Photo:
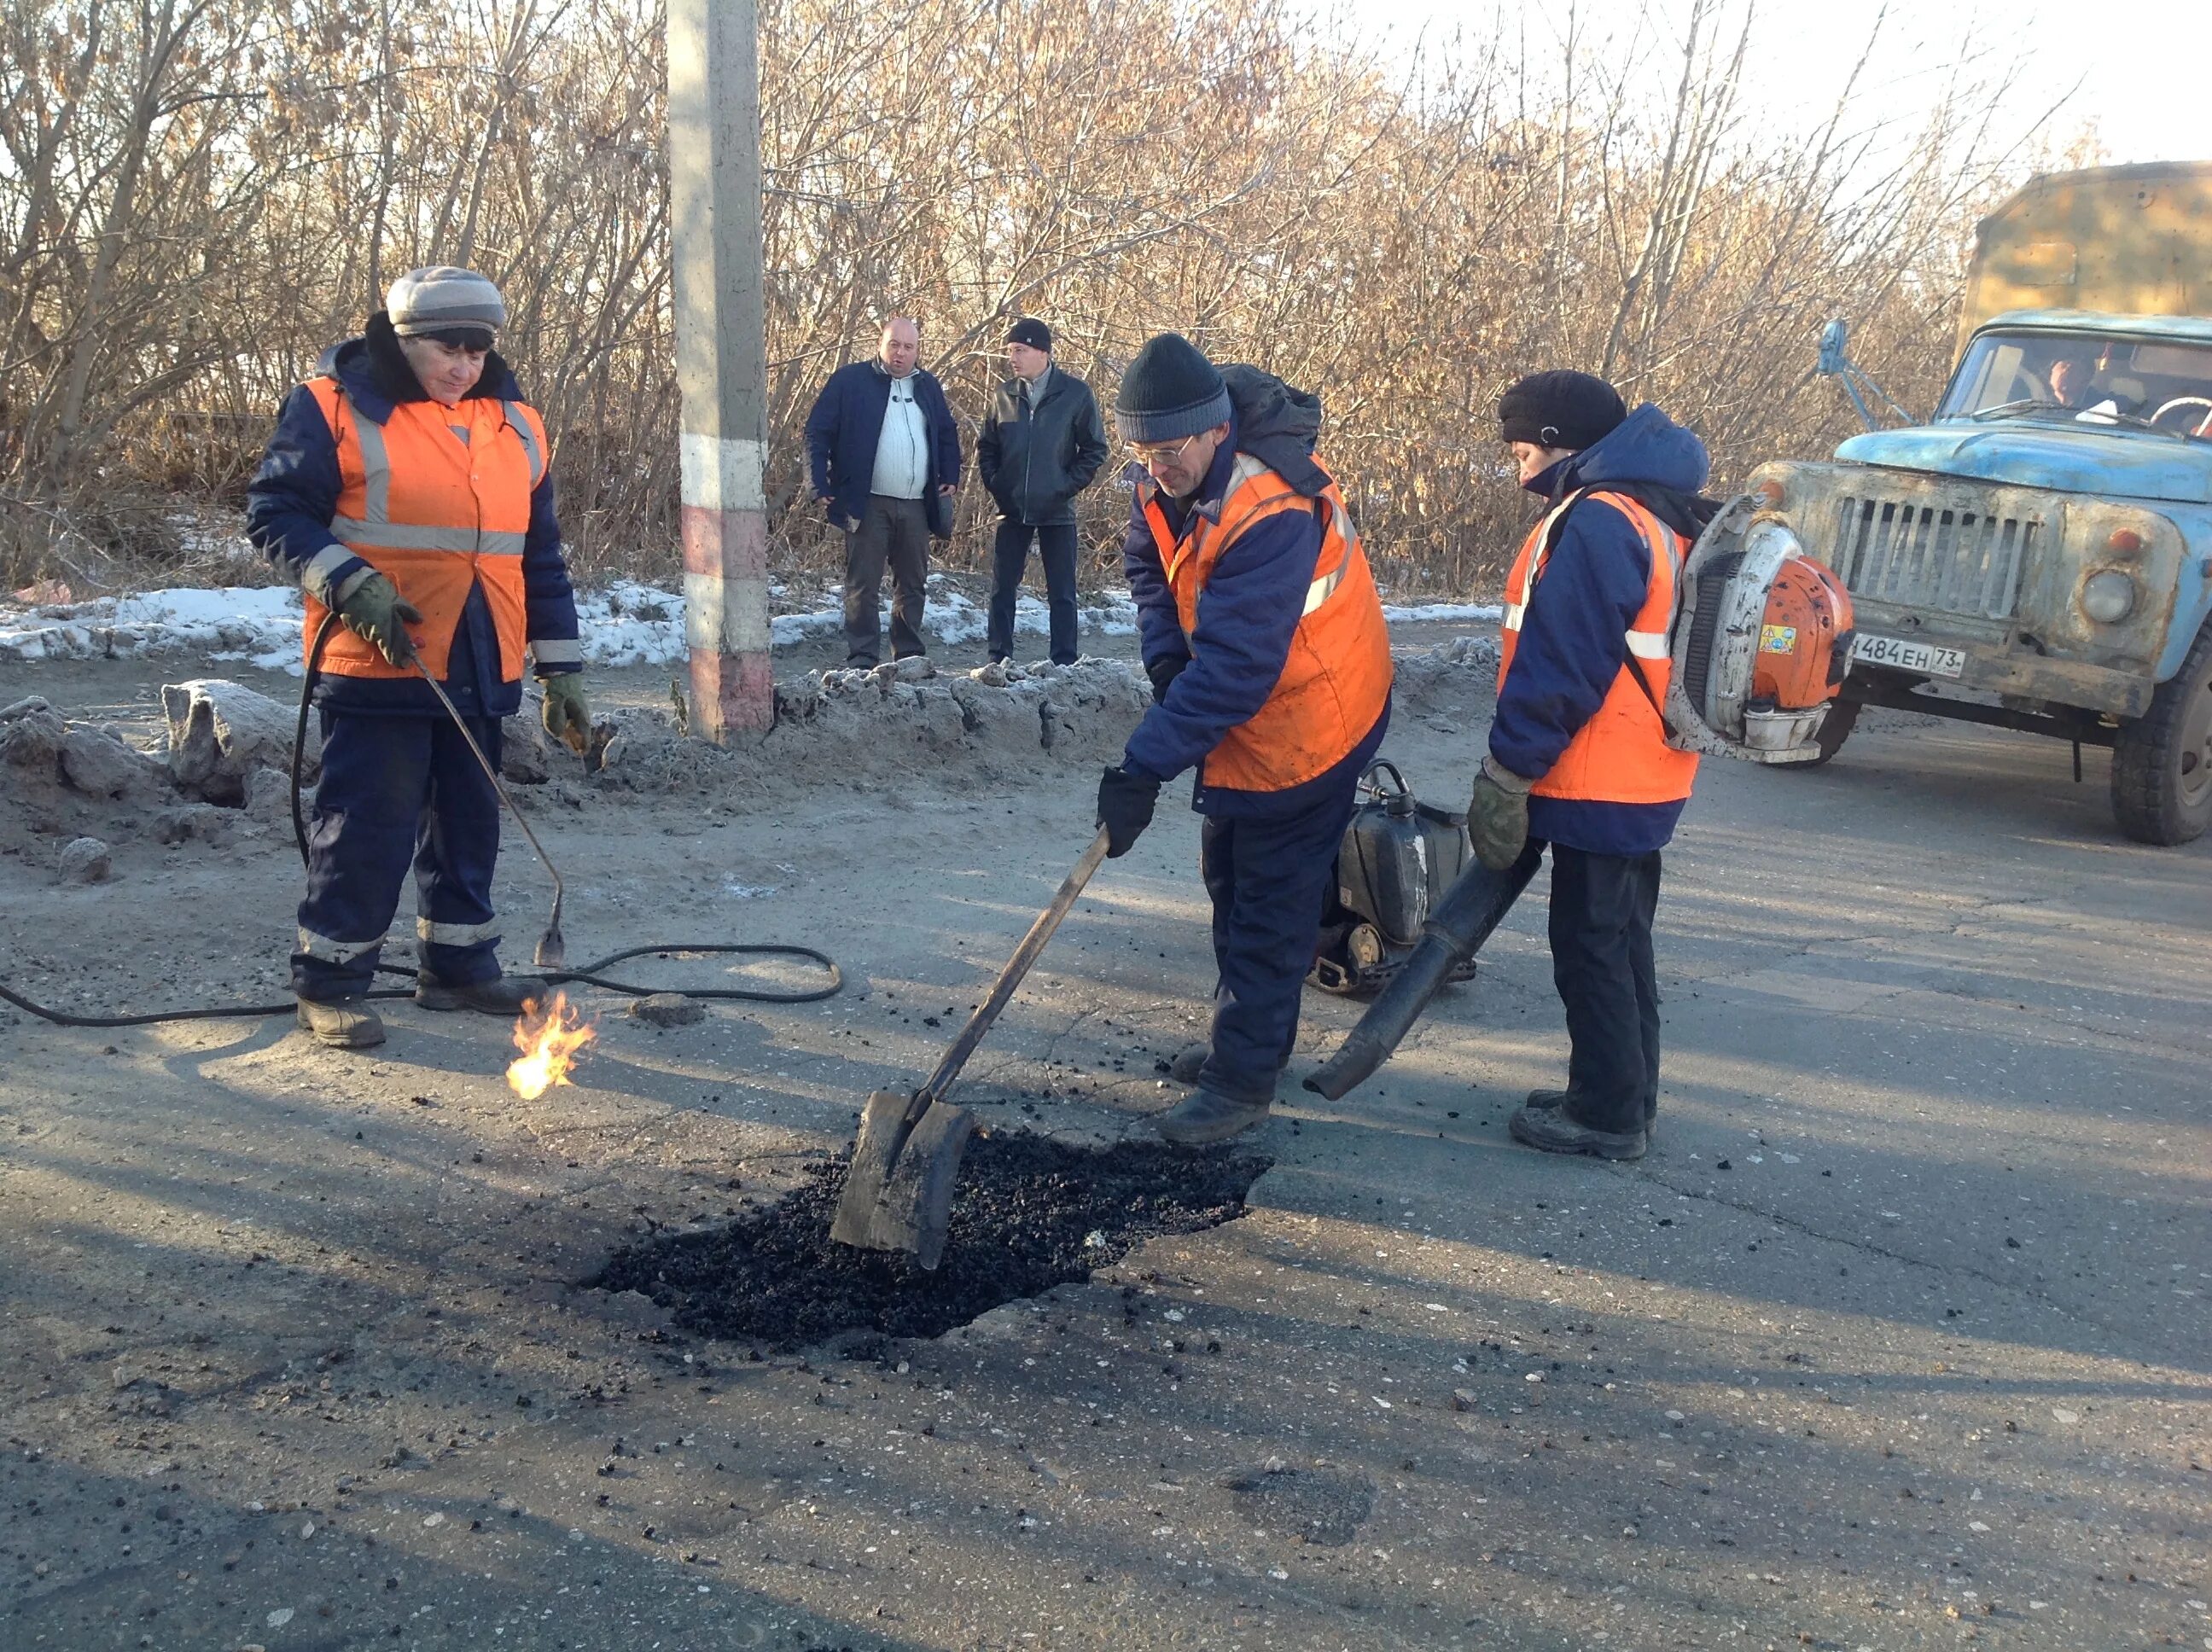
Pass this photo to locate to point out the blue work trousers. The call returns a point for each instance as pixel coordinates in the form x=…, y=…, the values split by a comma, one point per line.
x=1602, y=909
x=1269, y=878
x=396, y=789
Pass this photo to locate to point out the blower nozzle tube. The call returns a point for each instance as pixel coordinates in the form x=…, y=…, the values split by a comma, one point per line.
x=1458, y=925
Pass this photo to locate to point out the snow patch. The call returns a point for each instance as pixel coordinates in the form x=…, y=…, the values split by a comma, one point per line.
x=1427, y=611
x=626, y=624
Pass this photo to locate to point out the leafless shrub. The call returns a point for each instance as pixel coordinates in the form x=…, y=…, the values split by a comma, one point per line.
x=198, y=196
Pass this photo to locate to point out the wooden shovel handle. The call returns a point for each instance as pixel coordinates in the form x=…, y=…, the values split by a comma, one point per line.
x=1010, y=978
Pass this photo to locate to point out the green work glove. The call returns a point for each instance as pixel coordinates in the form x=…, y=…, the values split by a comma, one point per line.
x=566, y=717
x=372, y=608
x=1497, y=815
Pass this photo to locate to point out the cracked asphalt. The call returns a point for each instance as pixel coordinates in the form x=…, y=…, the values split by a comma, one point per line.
x=1900, y=1338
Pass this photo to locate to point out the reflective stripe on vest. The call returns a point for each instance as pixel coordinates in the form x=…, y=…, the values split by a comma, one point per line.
x=1620, y=754
x=437, y=500
x=1336, y=678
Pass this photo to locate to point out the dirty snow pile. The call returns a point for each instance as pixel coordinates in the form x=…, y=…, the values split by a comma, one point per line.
x=895, y=720
x=68, y=789
x=1442, y=677
x=625, y=624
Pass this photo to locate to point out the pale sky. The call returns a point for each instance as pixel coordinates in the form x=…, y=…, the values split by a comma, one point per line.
x=2143, y=67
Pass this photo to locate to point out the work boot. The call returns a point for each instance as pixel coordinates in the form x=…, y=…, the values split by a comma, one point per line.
x=502, y=995
x=1548, y=1100
x=1553, y=1130
x=1207, y=1116
x=345, y=1024
x=1190, y=1060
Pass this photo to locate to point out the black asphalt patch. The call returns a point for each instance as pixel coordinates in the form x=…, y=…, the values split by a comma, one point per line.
x=1032, y=1213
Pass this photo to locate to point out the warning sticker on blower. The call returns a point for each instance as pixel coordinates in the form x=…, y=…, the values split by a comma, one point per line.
x=1777, y=639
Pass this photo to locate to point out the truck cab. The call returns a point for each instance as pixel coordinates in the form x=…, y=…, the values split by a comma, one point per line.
x=2038, y=554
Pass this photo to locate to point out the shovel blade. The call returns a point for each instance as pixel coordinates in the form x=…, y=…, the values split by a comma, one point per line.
x=883, y=1131
x=917, y=1202
x=898, y=1190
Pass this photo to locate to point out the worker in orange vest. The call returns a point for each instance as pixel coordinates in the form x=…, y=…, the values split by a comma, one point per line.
x=1270, y=665
x=1578, y=755
x=408, y=490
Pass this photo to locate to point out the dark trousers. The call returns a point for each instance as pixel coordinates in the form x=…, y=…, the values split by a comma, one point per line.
x=1602, y=906
x=893, y=531
x=1268, y=878
x=1010, y=555
x=397, y=789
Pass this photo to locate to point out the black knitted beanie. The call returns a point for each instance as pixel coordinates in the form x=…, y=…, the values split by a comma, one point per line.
x=1573, y=410
x=1171, y=391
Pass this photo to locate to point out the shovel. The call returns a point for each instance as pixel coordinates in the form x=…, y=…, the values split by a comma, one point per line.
x=898, y=1191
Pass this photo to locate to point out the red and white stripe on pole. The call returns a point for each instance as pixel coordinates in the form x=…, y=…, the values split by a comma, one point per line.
x=725, y=585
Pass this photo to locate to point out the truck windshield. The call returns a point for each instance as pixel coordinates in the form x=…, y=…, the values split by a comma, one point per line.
x=2087, y=379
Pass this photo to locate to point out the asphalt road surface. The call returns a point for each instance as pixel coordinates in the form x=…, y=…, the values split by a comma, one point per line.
x=1900, y=1338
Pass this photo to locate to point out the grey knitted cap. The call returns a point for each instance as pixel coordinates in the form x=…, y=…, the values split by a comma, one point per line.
x=440, y=296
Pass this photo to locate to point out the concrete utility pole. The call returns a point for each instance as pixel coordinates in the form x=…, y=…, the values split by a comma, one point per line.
x=722, y=359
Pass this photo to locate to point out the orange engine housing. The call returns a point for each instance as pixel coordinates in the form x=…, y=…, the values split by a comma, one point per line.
x=1805, y=639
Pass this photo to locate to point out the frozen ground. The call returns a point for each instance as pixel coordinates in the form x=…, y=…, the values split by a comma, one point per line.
x=1898, y=1340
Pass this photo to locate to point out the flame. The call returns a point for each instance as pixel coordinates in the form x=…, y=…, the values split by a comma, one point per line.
x=548, y=1039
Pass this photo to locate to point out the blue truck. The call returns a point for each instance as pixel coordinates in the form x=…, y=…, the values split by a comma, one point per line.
x=2038, y=554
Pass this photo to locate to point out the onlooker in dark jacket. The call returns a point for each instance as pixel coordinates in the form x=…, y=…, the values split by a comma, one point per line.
x=885, y=456
x=1578, y=754
x=1041, y=444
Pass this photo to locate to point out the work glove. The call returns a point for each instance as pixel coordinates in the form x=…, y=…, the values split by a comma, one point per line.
x=1164, y=670
x=1497, y=815
x=371, y=607
x=1125, y=808
x=564, y=713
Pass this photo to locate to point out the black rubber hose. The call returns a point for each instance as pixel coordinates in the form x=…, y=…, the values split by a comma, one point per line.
x=1461, y=922
x=589, y=974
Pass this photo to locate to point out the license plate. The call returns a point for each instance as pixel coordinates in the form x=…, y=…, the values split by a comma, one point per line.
x=1904, y=655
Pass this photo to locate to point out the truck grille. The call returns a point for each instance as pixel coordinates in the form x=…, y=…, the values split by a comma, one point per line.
x=1926, y=557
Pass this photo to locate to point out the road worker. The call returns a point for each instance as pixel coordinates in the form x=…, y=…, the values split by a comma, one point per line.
x=1578, y=755
x=1270, y=665
x=407, y=488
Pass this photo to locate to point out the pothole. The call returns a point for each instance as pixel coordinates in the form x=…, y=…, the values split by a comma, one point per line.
x=1032, y=1213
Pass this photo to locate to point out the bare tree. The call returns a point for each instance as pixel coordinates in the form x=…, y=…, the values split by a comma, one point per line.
x=197, y=197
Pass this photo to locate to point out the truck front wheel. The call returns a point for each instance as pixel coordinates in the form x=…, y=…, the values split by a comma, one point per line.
x=2163, y=762
x=1835, y=728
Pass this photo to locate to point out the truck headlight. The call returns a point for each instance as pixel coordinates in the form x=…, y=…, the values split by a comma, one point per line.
x=2108, y=596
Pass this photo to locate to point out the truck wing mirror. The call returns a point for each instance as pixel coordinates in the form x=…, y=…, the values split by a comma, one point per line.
x=1832, y=338
x=1834, y=363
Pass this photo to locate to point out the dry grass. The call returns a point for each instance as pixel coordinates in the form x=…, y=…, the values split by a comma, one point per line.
x=184, y=226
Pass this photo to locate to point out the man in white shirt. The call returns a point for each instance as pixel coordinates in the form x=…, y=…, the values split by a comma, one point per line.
x=885, y=457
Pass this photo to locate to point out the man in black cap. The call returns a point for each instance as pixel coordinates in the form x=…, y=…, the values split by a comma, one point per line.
x=1041, y=444
x=1578, y=755
x=1270, y=662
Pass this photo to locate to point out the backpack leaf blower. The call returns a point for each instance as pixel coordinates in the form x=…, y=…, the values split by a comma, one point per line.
x=1398, y=857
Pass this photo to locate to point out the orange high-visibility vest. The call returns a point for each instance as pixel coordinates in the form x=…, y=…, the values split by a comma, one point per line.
x=1337, y=679
x=1621, y=755
x=435, y=516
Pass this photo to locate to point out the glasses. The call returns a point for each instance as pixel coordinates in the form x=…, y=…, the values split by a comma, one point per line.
x=1162, y=452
